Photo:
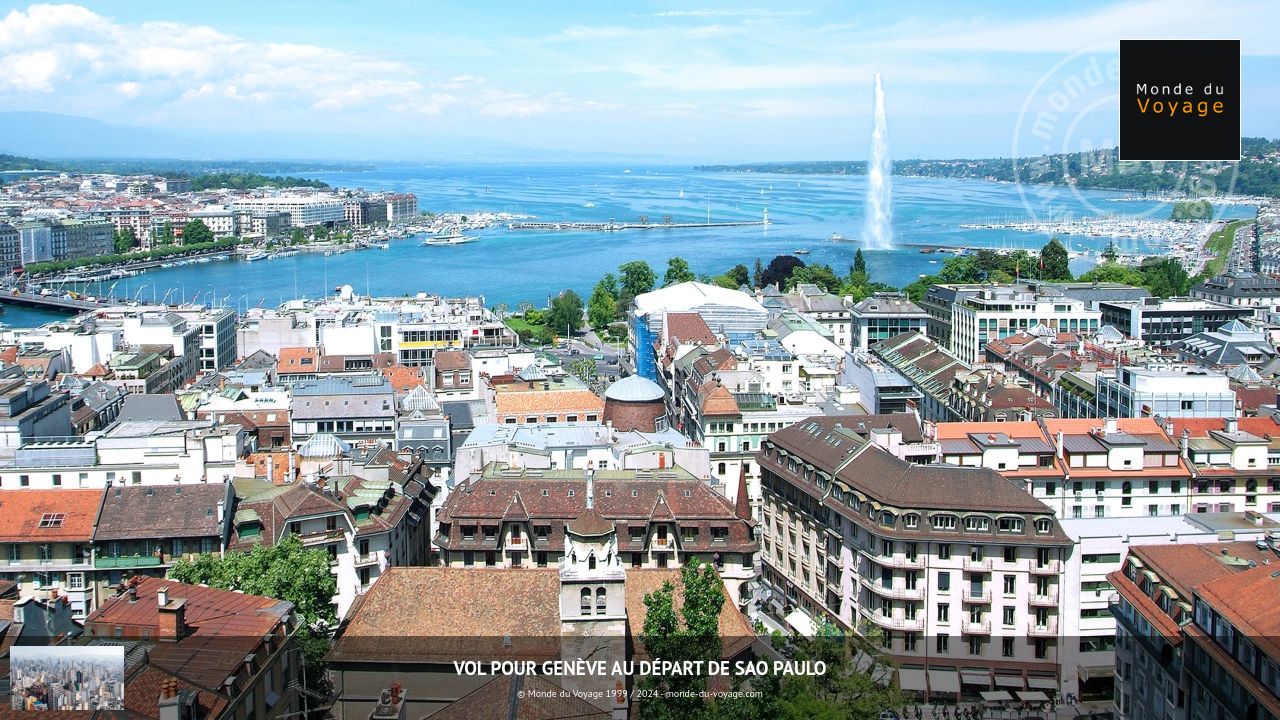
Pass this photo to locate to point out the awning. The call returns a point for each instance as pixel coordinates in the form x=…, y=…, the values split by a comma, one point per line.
x=801, y=623
x=944, y=681
x=911, y=679
x=1033, y=696
x=996, y=696
x=976, y=677
x=1044, y=683
x=1009, y=681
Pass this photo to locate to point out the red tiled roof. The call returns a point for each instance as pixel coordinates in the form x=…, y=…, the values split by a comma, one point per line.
x=402, y=378
x=688, y=328
x=297, y=360
x=1200, y=427
x=61, y=515
x=452, y=360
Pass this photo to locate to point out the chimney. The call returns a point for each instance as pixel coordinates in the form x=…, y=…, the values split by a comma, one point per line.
x=1232, y=424
x=1110, y=426
x=1058, y=450
x=170, y=704
x=162, y=595
x=222, y=510
x=391, y=704
x=133, y=594
x=1185, y=443
x=591, y=486
x=173, y=620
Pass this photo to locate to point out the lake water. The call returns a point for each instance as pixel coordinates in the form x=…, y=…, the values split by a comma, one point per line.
x=515, y=265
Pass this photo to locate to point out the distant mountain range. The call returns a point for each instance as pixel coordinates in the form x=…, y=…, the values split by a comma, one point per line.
x=52, y=136
x=1258, y=170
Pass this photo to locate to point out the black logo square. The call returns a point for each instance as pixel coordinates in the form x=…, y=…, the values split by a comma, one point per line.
x=1179, y=99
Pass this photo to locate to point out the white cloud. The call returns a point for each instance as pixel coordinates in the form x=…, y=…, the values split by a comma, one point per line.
x=129, y=89
x=29, y=71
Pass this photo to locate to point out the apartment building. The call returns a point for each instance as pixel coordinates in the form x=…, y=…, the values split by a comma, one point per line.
x=10, y=248
x=1163, y=321
x=958, y=568
x=352, y=408
x=1235, y=463
x=304, y=210
x=813, y=303
x=30, y=410
x=996, y=312
x=882, y=316
x=1195, y=629
x=1255, y=291
x=517, y=517
x=401, y=207
x=48, y=543
x=930, y=368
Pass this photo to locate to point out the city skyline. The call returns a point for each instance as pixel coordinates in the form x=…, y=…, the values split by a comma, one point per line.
x=711, y=82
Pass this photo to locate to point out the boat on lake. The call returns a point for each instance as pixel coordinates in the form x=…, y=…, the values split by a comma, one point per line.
x=454, y=237
x=255, y=255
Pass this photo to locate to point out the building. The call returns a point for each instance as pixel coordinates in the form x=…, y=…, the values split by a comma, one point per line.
x=724, y=311
x=929, y=367
x=366, y=523
x=304, y=210
x=65, y=239
x=880, y=388
x=997, y=312
x=828, y=310
x=133, y=216
x=531, y=397
x=143, y=530
x=10, y=248
x=352, y=408
x=451, y=374
x=401, y=207
x=30, y=410
x=882, y=316
x=1229, y=346
x=635, y=403
x=417, y=622
x=1164, y=321
x=515, y=517
x=48, y=539
x=222, y=222
x=1195, y=629
x=205, y=653
x=1235, y=463
x=1164, y=390
x=264, y=223
x=1260, y=293
x=958, y=568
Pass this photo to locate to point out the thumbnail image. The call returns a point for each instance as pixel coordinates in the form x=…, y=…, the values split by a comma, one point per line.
x=67, y=678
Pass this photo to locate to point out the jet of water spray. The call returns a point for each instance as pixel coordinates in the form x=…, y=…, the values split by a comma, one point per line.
x=878, y=231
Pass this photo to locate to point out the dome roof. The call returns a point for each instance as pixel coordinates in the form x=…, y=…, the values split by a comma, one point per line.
x=323, y=445
x=634, y=389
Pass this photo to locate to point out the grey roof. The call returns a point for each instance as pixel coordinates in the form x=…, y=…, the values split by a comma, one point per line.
x=342, y=406
x=634, y=388
x=420, y=400
x=359, y=385
x=99, y=395
x=150, y=408
x=460, y=415
x=324, y=445
x=163, y=511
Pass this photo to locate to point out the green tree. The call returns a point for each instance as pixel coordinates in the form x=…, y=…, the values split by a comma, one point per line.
x=286, y=571
x=196, y=232
x=859, y=262
x=637, y=278
x=125, y=241
x=321, y=232
x=757, y=274
x=584, y=368
x=297, y=236
x=166, y=235
x=697, y=638
x=1111, y=254
x=1054, y=261
x=856, y=682
x=821, y=275
x=1165, y=277
x=739, y=275
x=779, y=271
x=677, y=272
x=602, y=308
x=565, y=313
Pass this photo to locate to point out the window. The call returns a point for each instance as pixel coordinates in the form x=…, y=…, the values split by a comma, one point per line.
x=1044, y=525
x=944, y=613
x=24, y=481
x=944, y=551
x=57, y=480
x=944, y=581
x=1010, y=554
x=1008, y=616
x=490, y=558
x=1006, y=646
x=585, y=602
x=601, y=603
x=942, y=644
x=1010, y=584
x=51, y=520
x=1011, y=525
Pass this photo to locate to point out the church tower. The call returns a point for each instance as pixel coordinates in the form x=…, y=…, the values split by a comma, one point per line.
x=593, y=605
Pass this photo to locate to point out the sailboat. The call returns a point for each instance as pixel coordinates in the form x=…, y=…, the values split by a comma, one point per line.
x=681, y=192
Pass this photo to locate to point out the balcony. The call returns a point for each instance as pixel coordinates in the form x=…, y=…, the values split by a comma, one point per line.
x=663, y=544
x=1043, y=600
x=50, y=564
x=1048, y=628
x=897, y=623
x=982, y=627
x=896, y=593
x=367, y=559
x=972, y=565
x=1052, y=567
x=324, y=537
x=976, y=596
x=517, y=543
x=893, y=561
x=128, y=561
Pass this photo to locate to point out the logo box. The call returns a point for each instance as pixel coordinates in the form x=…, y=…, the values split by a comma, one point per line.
x=1180, y=100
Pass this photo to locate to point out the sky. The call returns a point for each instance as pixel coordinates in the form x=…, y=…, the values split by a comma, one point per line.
x=702, y=81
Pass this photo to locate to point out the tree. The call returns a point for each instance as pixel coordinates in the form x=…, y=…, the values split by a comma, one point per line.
x=125, y=241
x=1113, y=272
x=779, y=271
x=859, y=262
x=821, y=275
x=501, y=310
x=739, y=275
x=565, y=313
x=321, y=232
x=297, y=236
x=1110, y=254
x=196, y=232
x=757, y=274
x=584, y=368
x=166, y=235
x=1165, y=277
x=677, y=272
x=665, y=637
x=855, y=684
x=1054, y=261
x=523, y=308
x=286, y=571
x=602, y=308
x=637, y=278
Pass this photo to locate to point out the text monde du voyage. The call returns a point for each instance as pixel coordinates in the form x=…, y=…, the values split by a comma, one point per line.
x=1181, y=99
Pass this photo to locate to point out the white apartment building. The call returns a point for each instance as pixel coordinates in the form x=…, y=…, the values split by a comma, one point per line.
x=131, y=453
x=1165, y=391
x=304, y=210
x=222, y=222
x=958, y=569
x=997, y=312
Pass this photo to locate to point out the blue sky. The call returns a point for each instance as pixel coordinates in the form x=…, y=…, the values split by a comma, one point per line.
x=689, y=80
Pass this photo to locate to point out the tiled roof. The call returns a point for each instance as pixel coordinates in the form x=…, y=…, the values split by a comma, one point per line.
x=1200, y=427
x=736, y=633
x=452, y=360
x=717, y=400
x=297, y=360
x=402, y=378
x=60, y=514
x=160, y=512
x=550, y=402
x=142, y=689
x=1248, y=601
x=688, y=328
